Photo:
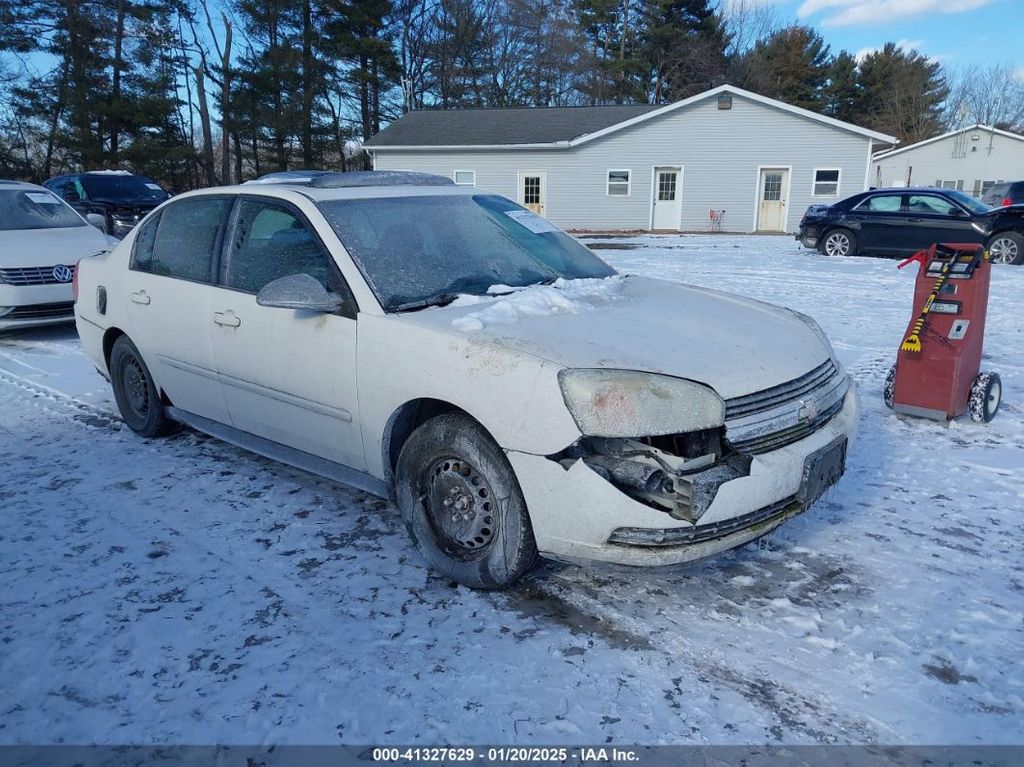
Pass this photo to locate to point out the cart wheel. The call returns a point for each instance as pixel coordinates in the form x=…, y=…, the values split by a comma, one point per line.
x=986, y=392
x=889, y=391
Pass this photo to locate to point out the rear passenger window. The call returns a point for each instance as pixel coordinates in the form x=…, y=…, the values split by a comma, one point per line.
x=142, y=250
x=187, y=238
x=883, y=203
x=271, y=241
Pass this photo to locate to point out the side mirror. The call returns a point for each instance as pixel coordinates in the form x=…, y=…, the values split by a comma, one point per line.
x=299, y=291
x=97, y=220
x=957, y=213
x=71, y=195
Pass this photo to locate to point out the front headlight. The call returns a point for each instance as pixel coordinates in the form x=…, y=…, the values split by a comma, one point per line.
x=627, y=403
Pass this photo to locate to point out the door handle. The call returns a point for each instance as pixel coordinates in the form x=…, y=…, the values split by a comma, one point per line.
x=227, y=319
x=140, y=297
x=915, y=220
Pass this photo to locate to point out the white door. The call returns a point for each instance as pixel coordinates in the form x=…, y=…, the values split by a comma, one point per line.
x=170, y=286
x=668, y=199
x=772, y=190
x=288, y=376
x=533, y=190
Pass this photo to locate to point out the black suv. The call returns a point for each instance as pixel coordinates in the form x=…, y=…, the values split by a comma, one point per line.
x=122, y=198
x=892, y=222
x=1004, y=193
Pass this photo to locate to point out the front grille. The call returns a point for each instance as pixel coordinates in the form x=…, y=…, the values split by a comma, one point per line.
x=781, y=415
x=33, y=275
x=678, y=536
x=41, y=312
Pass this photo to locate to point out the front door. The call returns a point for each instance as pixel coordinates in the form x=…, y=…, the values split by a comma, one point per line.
x=533, y=190
x=771, y=211
x=932, y=218
x=668, y=199
x=288, y=376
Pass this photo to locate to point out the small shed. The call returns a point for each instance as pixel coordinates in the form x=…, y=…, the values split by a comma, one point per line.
x=723, y=160
x=970, y=159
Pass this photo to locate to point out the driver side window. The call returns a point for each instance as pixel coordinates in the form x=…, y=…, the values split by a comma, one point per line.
x=270, y=241
x=927, y=203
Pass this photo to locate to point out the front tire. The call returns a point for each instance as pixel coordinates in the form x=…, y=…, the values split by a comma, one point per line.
x=462, y=504
x=889, y=390
x=839, y=242
x=1006, y=248
x=135, y=392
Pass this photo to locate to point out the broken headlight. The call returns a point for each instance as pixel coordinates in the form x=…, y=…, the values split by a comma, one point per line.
x=627, y=403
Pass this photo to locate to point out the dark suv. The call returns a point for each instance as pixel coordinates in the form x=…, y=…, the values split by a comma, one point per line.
x=122, y=198
x=1004, y=193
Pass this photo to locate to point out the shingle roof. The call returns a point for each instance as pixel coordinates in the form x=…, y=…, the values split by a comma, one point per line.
x=482, y=127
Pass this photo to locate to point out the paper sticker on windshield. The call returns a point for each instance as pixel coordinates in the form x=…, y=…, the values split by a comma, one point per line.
x=531, y=221
x=42, y=198
x=155, y=187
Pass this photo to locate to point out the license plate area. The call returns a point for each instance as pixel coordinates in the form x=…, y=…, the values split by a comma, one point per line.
x=822, y=469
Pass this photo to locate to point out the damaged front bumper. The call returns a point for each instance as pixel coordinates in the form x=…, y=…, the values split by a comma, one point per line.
x=581, y=510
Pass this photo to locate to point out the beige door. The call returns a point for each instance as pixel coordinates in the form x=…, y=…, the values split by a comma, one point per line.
x=668, y=199
x=533, y=190
x=772, y=190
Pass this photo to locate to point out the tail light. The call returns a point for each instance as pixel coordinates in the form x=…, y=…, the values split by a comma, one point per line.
x=74, y=283
x=1007, y=201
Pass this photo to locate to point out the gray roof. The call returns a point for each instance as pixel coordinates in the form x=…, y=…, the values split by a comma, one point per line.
x=482, y=127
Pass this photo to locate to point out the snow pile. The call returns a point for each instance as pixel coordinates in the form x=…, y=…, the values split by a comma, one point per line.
x=561, y=297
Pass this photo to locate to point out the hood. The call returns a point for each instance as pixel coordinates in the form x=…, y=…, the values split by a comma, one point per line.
x=735, y=345
x=49, y=247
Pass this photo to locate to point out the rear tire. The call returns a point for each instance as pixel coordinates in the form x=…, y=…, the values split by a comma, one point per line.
x=462, y=504
x=986, y=394
x=839, y=242
x=1006, y=248
x=136, y=394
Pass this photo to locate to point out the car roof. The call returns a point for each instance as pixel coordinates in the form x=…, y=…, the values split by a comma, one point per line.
x=352, y=185
x=7, y=184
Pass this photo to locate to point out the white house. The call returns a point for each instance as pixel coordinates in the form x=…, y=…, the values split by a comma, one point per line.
x=970, y=159
x=724, y=159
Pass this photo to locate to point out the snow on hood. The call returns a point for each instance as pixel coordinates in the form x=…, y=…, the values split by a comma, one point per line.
x=48, y=247
x=507, y=305
x=733, y=344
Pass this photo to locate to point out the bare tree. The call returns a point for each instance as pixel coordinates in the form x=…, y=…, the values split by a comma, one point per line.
x=992, y=95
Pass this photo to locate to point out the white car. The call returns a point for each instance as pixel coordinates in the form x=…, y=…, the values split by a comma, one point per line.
x=41, y=239
x=444, y=347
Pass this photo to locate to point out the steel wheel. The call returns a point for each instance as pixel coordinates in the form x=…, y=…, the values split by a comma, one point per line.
x=838, y=244
x=135, y=392
x=458, y=500
x=136, y=387
x=1003, y=250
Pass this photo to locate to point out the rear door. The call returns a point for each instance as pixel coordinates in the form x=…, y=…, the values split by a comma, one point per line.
x=880, y=223
x=170, y=288
x=288, y=376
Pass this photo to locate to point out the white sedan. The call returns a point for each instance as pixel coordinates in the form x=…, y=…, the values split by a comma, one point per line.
x=41, y=239
x=444, y=347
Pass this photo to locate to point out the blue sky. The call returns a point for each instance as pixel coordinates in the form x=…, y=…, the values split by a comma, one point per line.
x=956, y=32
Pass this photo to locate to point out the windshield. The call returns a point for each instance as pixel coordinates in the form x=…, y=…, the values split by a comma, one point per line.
x=35, y=209
x=973, y=205
x=116, y=186
x=413, y=249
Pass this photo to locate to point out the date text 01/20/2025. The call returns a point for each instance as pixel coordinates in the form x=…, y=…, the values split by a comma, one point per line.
x=503, y=754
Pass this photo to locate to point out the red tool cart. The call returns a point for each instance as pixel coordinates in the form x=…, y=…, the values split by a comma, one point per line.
x=937, y=371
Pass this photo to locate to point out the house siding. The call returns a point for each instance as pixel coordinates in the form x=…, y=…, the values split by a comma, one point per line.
x=992, y=157
x=720, y=151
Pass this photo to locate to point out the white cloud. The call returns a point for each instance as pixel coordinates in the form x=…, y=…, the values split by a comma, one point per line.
x=841, y=13
x=905, y=44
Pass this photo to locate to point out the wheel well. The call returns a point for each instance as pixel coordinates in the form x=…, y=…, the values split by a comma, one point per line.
x=404, y=422
x=109, y=339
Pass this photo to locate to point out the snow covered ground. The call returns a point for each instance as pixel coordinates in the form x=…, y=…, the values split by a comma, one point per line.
x=183, y=591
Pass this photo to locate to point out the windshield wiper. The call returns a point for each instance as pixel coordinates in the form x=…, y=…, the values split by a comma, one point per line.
x=441, y=299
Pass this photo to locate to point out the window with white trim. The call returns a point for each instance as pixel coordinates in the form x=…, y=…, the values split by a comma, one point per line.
x=826, y=182
x=465, y=177
x=618, y=183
